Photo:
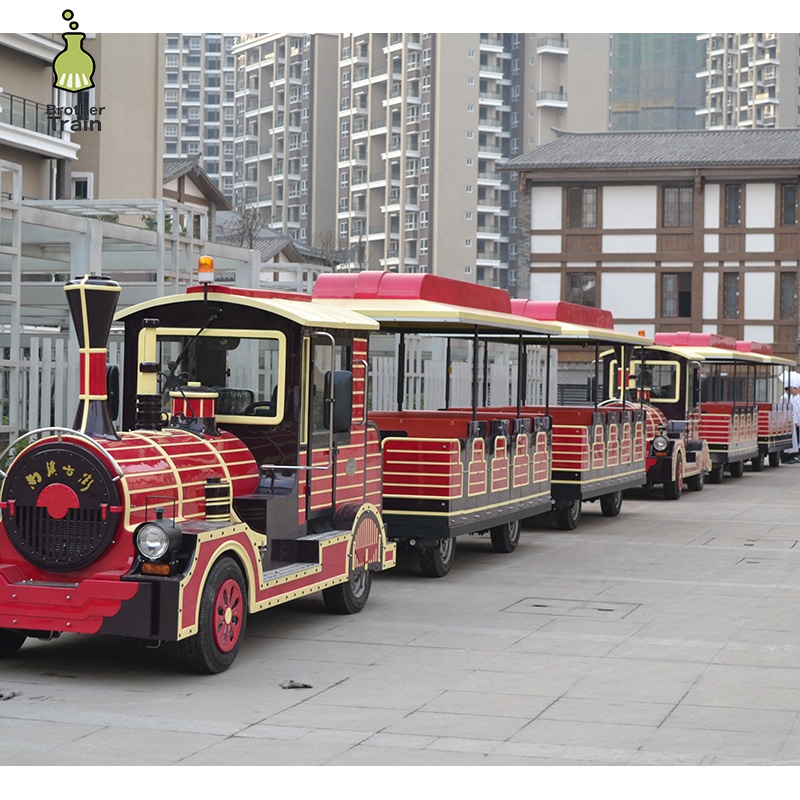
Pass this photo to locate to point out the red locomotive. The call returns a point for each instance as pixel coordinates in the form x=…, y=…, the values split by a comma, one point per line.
x=261, y=483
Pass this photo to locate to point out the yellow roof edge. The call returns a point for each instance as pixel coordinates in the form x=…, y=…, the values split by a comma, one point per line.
x=314, y=313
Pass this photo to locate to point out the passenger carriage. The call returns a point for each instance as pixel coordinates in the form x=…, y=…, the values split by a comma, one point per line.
x=729, y=415
x=456, y=468
x=598, y=448
x=774, y=413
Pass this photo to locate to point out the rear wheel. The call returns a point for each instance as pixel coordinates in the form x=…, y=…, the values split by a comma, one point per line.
x=10, y=642
x=351, y=596
x=673, y=489
x=436, y=561
x=696, y=482
x=221, y=622
x=737, y=469
x=610, y=504
x=505, y=537
x=568, y=518
x=775, y=459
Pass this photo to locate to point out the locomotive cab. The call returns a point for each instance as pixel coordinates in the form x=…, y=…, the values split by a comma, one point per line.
x=666, y=384
x=243, y=475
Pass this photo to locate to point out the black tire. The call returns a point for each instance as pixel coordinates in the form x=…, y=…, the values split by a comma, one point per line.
x=351, y=596
x=674, y=489
x=757, y=463
x=610, y=504
x=221, y=623
x=737, y=469
x=435, y=562
x=505, y=537
x=695, y=483
x=10, y=642
x=568, y=518
x=715, y=476
x=775, y=459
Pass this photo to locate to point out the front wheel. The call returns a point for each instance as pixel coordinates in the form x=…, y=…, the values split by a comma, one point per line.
x=610, y=504
x=737, y=469
x=221, y=622
x=351, y=596
x=505, y=538
x=715, y=476
x=757, y=463
x=568, y=518
x=10, y=642
x=436, y=561
x=775, y=458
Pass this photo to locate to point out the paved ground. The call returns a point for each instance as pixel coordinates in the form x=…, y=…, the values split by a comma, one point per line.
x=667, y=636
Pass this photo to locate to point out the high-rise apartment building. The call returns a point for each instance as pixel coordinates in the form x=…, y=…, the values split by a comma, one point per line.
x=751, y=80
x=423, y=123
x=654, y=84
x=285, y=137
x=199, y=102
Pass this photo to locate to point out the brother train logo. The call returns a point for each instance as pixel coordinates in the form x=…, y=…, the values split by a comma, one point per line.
x=73, y=71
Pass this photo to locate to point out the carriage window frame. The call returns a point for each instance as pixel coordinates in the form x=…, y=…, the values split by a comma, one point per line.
x=649, y=363
x=218, y=333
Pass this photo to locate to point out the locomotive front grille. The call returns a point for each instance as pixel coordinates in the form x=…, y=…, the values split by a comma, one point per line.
x=61, y=506
x=59, y=543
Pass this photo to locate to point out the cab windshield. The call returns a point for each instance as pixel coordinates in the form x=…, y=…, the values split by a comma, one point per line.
x=247, y=372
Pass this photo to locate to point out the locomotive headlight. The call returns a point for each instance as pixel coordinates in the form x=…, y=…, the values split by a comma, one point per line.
x=660, y=443
x=157, y=538
x=152, y=541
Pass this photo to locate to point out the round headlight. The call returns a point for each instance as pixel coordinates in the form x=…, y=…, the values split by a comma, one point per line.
x=660, y=443
x=152, y=541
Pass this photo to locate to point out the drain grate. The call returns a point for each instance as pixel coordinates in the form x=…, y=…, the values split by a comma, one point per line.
x=559, y=607
x=746, y=541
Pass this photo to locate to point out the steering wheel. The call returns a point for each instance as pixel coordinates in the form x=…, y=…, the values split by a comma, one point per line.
x=267, y=405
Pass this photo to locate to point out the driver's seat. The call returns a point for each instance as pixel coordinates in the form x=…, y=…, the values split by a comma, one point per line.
x=233, y=401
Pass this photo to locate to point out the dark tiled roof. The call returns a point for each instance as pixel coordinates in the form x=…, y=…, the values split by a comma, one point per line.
x=173, y=168
x=770, y=146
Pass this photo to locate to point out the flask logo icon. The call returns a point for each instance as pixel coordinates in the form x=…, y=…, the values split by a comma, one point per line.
x=73, y=67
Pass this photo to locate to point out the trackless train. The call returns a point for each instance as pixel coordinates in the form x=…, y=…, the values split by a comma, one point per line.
x=251, y=467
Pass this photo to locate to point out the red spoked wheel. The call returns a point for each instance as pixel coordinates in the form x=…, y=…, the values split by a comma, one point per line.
x=229, y=615
x=221, y=621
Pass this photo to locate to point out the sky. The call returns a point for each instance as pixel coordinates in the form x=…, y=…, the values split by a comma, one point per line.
x=231, y=16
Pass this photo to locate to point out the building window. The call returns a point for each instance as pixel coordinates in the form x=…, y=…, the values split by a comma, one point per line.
x=788, y=300
x=733, y=205
x=581, y=207
x=678, y=206
x=789, y=204
x=730, y=295
x=581, y=288
x=676, y=294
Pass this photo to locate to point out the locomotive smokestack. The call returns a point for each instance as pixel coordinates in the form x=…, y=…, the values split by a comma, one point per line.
x=92, y=302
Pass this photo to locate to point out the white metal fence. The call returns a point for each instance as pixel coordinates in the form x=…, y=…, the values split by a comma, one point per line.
x=49, y=373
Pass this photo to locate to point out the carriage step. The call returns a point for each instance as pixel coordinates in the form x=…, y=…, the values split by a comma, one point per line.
x=287, y=571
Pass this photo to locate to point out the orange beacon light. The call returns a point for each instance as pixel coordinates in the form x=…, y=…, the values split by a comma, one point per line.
x=205, y=269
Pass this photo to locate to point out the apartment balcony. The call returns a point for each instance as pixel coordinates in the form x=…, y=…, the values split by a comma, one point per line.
x=24, y=125
x=490, y=71
x=551, y=100
x=490, y=123
x=490, y=178
x=549, y=44
x=491, y=41
x=765, y=98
